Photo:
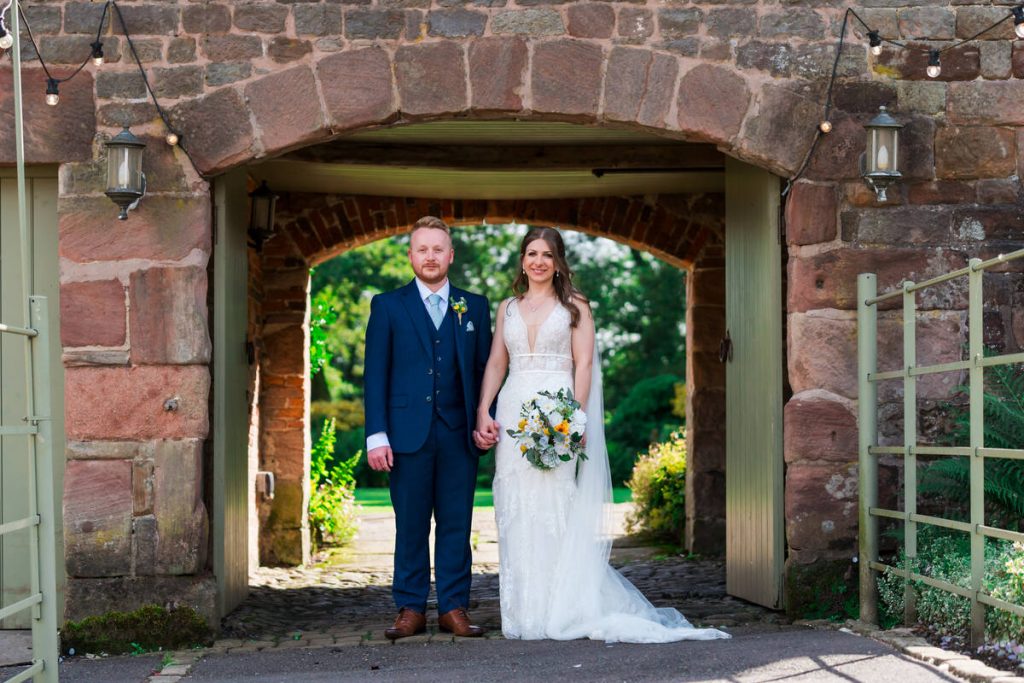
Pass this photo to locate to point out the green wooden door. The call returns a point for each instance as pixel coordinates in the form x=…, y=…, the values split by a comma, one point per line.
x=42, y=213
x=755, y=530
x=233, y=494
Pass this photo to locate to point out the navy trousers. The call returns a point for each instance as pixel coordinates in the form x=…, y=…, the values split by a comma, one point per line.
x=436, y=481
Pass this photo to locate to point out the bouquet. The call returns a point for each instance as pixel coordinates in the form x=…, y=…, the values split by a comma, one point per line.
x=550, y=430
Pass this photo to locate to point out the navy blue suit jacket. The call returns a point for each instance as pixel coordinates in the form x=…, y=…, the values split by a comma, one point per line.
x=397, y=385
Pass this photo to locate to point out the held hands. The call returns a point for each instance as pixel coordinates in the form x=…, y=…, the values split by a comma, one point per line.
x=381, y=459
x=487, y=431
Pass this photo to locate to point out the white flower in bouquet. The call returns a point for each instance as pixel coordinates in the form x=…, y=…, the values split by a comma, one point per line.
x=550, y=431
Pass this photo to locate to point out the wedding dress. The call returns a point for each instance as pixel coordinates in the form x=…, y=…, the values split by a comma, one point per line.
x=553, y=540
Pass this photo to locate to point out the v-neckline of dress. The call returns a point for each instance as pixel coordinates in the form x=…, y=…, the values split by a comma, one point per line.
x=533, y=346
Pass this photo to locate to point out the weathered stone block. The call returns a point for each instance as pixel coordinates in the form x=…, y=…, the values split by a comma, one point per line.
x=821, y=507
x=182, y=524
x=373, y=24
x=178, y=81
x=81, y=17
x=677, y=23
x=232, y=48
x=528, y=22
x=712, y=102
x=154, y=20
x=66, y=49
x=261, y=17
x=910, y=225
x=282, y=49
x=975, y=152
x=144, y=533
x=986, y=102
x=591, y=21
x=793, y=23
x=820, y=426
x=152, y=402
x=89, y=597
x=775, y=58
x=168, y=316
x=811, y=214
x=317, y=20
x=283, y=357
x=566, y=77
x=123, y=84
x=431, y=78
x=285, y=115
x=161, y=228
x=105, y=450
x=456, y=23
x=959, y=64
x=829, y=279
x=92, y=313
x=181, y=50
x=222, y=73
x=207, y=18
x=214, y=147
x=75, y=118
x=496, y=71
x=142, y=486
x=822, y=352
x=728, y=22
x=996, y=60
x=638, y=86
x=635, y=23
x=356, y=87
x=927, y=23
x=97, y=517
x=972, y=20
x=939, y=192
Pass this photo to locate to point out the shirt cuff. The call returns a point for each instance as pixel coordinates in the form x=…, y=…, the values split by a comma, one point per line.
x=376, y=441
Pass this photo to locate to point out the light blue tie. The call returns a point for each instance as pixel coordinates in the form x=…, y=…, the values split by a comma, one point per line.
x=435, y=309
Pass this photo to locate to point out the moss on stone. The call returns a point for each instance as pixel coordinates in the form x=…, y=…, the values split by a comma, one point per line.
x=826, y=589
x=147, y=629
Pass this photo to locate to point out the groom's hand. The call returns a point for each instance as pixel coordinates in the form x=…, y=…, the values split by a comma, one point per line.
x=381, y=459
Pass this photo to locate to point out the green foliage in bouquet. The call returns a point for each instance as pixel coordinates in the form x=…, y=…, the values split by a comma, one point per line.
x=659, y=490
x=550, y=429
x=332, y=509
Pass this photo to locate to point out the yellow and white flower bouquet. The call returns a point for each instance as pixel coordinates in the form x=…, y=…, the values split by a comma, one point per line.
x=550, y=429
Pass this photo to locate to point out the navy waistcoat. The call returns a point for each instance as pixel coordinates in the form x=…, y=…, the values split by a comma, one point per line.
x=449, y=403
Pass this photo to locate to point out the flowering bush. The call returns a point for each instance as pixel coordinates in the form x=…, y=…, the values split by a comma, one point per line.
x=658, y=484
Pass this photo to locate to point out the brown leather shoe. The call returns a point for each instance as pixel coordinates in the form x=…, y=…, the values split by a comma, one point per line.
x=409, y=623
x=457, y=622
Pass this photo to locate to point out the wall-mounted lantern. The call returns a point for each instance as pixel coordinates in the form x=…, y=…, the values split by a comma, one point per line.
x=880, y=163
x=261, y=214
x=126, y=183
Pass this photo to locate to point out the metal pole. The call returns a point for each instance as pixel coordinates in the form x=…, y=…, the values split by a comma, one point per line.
x=976, y=375
x=19, y=151
x=867, y=424
x=45, y=644
x=910, y=444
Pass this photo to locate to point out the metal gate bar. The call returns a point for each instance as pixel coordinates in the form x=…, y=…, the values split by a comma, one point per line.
x=40, y=522
x=868, y=378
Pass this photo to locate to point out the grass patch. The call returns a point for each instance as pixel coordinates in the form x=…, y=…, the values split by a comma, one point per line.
x=378, y=499
x=147, y=629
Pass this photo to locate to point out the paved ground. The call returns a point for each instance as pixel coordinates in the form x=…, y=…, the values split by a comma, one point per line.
x=326, y=623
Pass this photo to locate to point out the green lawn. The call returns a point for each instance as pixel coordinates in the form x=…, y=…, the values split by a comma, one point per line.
x=380, y=498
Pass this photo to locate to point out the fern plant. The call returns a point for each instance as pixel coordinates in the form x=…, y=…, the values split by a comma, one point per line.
x=1004, y=428
x=332, y=510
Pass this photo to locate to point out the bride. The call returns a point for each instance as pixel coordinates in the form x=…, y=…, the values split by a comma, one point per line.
x=553, y=532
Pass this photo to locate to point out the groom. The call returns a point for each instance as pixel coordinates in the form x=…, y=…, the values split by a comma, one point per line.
x=426, y=349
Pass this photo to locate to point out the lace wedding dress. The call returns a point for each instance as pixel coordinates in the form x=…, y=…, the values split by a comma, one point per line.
x=553, y=541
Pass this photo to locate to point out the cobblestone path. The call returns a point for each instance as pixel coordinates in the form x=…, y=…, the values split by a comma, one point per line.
x=347, y=595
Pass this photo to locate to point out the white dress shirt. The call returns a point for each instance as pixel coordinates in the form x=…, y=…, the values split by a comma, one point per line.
x=381, y=438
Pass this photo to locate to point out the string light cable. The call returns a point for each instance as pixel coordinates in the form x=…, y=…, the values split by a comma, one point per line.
x=172, y=137
x=875, y=44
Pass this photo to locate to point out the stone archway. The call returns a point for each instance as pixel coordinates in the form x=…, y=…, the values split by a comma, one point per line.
x=684, y=230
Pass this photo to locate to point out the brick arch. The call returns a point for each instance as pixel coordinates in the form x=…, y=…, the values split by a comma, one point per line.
x=684, y=230
x=674, y=228
x=565, y=79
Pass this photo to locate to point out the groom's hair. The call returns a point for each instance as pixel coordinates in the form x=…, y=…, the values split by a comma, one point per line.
x=430, y=222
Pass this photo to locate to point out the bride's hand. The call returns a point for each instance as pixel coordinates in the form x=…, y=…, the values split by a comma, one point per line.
x=487, y=431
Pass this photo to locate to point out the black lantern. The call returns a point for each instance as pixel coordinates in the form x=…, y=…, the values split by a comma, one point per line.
x=880, y=163
x=261, y=214
x=126, y=183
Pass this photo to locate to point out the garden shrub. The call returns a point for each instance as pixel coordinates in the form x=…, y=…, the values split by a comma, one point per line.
x=332, y=508
x=147, y=629
x=658, y=484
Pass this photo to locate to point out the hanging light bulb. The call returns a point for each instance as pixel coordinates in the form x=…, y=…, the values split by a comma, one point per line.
x=934, y=67
x=97, y=53
x=52, y=95
x=1018, y=20
x=6, y=39
x=875, y=41
x=171, y=138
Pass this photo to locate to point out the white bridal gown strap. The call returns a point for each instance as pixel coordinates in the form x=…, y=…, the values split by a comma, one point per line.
x=555, y=581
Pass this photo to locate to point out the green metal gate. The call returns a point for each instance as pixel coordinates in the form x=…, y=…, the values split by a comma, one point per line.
x=868, y=379
x=40, y=522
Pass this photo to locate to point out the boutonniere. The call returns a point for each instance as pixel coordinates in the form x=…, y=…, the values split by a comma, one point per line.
x=459, y=306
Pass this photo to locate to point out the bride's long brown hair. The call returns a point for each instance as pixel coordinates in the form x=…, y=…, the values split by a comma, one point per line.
x=565, y=290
